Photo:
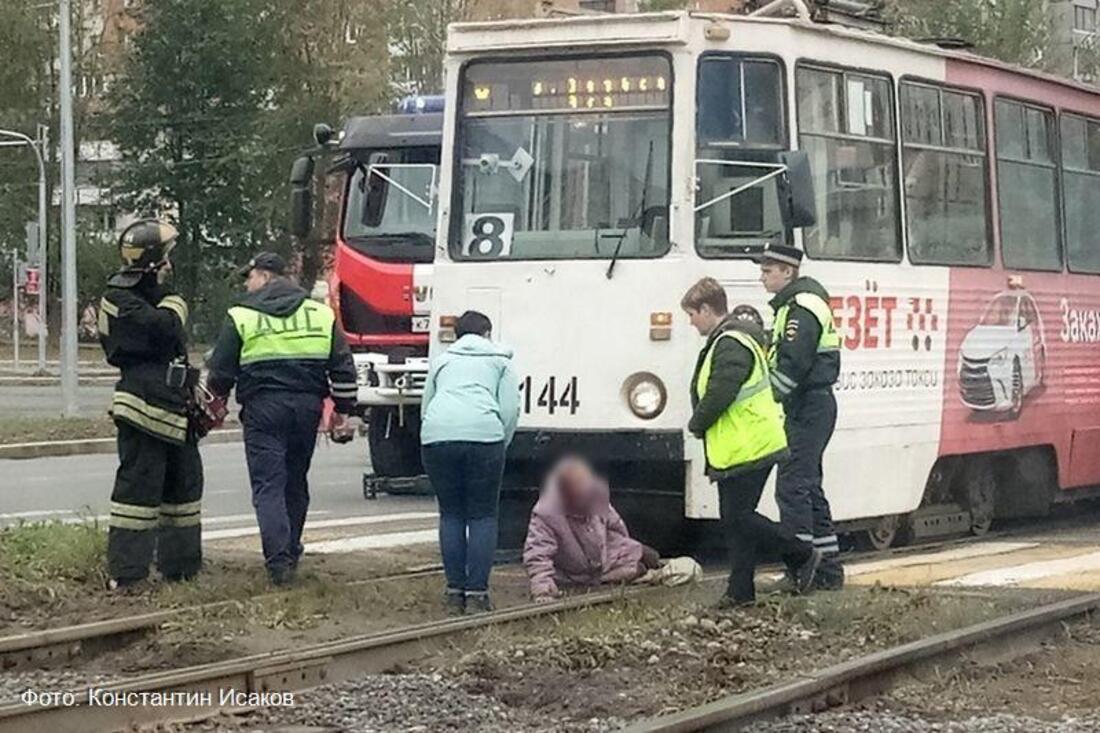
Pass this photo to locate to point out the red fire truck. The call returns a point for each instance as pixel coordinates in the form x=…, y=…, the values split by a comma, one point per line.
x=384, y=178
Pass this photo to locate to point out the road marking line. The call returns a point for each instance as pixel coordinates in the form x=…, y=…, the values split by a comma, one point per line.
x=1018, y=574
x=222, y=534
x=373, y=542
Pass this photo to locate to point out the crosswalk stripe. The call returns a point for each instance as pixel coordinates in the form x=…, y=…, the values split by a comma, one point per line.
x=1022, y=574
x=373, y=542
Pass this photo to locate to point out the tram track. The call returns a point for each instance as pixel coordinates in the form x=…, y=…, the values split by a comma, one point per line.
x=1007, y=637
x=68, y=644
x=200, y=689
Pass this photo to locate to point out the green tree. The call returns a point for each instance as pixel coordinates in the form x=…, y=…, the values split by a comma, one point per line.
x=1016, y=31
x=417, y=35
x=213, y=102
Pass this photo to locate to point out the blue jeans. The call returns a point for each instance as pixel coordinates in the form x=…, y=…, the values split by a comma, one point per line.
x=466, y=479
x=280, y=433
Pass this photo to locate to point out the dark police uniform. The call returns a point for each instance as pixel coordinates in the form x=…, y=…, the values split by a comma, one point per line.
x=805, y=359
x=155, y=505
x=285, y=353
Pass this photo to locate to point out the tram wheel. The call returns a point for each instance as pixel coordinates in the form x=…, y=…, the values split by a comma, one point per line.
x=881, y=536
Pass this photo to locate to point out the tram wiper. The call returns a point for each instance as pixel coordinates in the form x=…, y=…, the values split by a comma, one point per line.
x=638, y=214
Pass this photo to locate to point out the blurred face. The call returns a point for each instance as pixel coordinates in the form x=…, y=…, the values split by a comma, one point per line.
x=703, y=319
x=775, y=276
x=574, y=478
x=256, y=279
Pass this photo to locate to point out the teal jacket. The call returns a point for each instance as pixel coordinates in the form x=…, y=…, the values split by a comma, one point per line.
x=472, y=394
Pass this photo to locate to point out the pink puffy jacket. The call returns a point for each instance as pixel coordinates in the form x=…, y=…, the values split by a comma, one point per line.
x=568, y=549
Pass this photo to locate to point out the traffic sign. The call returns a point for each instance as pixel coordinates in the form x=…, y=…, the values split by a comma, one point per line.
x=32, y=281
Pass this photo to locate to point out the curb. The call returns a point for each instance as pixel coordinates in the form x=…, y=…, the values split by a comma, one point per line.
x=58, y=448
x=52, y=381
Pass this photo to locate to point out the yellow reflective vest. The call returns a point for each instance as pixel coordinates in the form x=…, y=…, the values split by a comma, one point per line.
x=750, y=433
x=304, y=334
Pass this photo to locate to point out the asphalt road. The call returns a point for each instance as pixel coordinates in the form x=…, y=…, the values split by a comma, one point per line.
x=63, y=488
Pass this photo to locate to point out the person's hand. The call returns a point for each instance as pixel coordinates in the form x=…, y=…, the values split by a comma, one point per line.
x=542, y=600
x=340, y=428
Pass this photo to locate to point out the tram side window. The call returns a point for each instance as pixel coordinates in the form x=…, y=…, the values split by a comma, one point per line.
x=1027, y=187
x=1081, y=191
x=846, y=126
x=943, y=152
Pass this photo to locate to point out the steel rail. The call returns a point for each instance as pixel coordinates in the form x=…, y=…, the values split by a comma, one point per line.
x=48, y=647
x=873, y=674
x=283, y=671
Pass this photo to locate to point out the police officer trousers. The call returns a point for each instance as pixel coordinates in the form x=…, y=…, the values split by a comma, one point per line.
x=803, y=508
x=155, y=508
x=280, y=433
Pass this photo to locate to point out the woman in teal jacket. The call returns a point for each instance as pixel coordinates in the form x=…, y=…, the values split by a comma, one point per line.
x=470, y=409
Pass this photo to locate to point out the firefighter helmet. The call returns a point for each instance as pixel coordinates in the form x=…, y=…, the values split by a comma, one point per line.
x=145, y=244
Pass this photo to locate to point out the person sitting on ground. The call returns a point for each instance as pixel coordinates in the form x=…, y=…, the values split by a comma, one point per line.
x=575, y=536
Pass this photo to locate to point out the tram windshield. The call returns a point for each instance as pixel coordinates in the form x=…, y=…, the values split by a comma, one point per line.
x=564, y=158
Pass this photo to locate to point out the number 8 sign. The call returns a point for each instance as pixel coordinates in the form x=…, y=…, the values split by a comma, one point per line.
x=488, y=236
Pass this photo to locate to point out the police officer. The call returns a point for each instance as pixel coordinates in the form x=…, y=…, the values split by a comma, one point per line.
x=805, y=360
x=285, y=354
x=741, y=426
x=155, y=505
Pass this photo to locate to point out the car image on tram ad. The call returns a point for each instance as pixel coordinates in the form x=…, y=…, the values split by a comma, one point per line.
x=382, y=185
x=595, y=167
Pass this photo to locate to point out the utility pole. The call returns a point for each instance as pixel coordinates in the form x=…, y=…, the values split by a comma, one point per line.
x=15, y=307
x=68, y=216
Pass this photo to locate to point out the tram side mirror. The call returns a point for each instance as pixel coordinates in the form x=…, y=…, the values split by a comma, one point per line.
x=797, y=204
x=301, y=196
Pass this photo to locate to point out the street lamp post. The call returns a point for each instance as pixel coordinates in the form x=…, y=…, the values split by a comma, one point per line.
x=68, y=214
x=39, y=155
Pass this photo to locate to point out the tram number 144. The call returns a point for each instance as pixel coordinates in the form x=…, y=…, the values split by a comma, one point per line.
x=551, y=396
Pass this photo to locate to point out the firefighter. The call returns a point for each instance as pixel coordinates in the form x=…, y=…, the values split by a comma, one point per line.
x=805, y=360
x=155, y=505
x=741, y=426
x=286, y=354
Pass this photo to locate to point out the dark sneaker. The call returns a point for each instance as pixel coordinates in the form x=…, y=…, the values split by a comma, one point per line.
x=128, y=586
x=729, y=603
x=805, y=573
x=478, y=603
x=282, y=577
x=179, y=577
x=830, y=576
x=454, y=602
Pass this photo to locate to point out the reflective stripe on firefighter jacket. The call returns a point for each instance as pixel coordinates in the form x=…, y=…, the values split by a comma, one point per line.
x=147, y=417
x=305, y=334
x=828, y=341
x=751, y=428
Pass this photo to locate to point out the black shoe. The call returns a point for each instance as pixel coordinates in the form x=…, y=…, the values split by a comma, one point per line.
x=805, y=573
x=478, y=603
x=282, y=577
x=454, y=602
x=830, y=576
x=179, y=577
x=729, y=603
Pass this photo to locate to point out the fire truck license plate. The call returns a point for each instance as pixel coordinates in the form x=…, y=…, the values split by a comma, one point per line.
x=421, y=324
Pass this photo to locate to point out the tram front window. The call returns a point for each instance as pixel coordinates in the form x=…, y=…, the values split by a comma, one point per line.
x=566, y=158
x=739, y=130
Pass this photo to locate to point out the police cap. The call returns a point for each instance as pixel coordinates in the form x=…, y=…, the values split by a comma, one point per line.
x=268, y=261
x=782, y=253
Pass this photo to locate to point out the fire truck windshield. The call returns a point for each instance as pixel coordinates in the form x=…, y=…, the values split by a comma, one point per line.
x=391, y=203
x=565, y=158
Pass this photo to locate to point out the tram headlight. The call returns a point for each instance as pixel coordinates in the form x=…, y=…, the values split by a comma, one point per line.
x=645, y=394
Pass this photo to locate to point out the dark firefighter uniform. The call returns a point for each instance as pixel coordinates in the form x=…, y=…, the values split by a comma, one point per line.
x=741, y=425
x=155, y=505
x=286, y=354
x=805, y=360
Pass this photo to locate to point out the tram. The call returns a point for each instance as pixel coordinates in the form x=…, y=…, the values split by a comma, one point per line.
x=594, y=167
